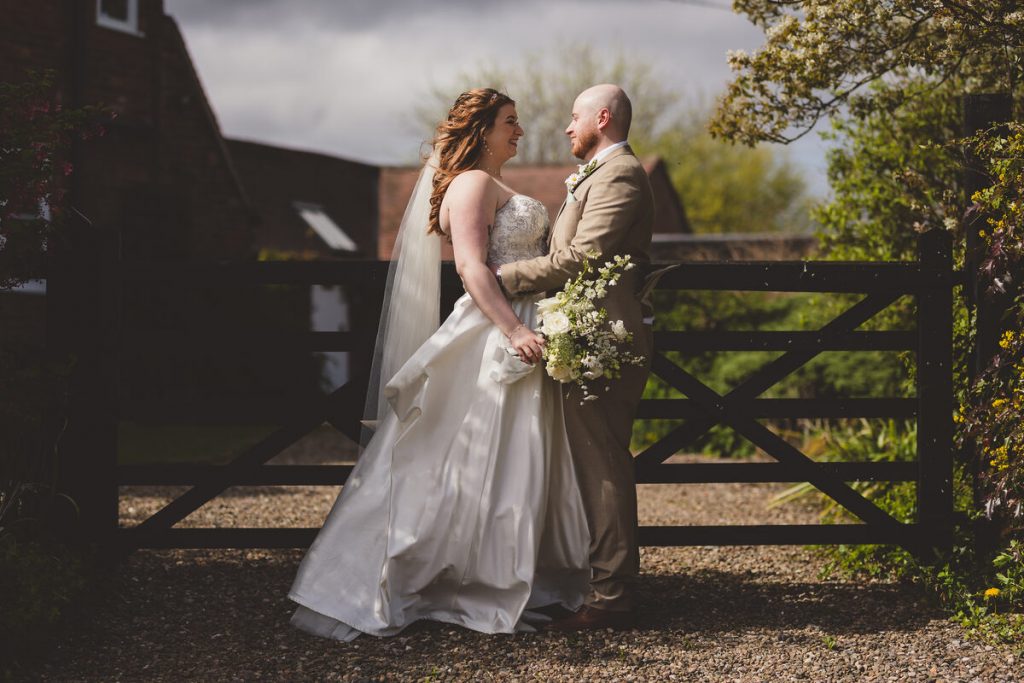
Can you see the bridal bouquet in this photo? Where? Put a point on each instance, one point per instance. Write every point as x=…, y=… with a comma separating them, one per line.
x=581, y=344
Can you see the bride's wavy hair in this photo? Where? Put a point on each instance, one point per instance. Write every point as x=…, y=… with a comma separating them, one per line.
x=459, y=142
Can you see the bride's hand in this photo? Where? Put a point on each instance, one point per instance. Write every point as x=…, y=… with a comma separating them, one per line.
x=527, y=344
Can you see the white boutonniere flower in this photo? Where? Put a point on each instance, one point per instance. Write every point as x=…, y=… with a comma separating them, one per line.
x=574, y=179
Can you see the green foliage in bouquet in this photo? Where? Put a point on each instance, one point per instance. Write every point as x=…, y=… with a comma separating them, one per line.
x=582, y=346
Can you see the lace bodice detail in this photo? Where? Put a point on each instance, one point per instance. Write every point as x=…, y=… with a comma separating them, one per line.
x=520, y=230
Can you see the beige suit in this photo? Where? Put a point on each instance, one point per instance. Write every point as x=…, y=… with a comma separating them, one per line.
x=613, y=214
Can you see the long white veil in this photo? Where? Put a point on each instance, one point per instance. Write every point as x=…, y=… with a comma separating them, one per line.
x=411, y=305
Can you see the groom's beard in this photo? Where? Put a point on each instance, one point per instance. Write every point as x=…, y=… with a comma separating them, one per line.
x=585, y=143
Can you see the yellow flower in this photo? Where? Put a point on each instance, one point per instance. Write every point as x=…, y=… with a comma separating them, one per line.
x=998, y=402
x=1000, y=460
x=991, y=593
x=1006, y=340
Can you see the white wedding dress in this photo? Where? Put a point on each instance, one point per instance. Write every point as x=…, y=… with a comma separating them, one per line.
x=464, y=507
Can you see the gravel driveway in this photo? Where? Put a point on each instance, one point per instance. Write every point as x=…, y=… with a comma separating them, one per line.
x=738, y=613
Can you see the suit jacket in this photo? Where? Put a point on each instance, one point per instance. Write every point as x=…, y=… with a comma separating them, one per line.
x=613, y=215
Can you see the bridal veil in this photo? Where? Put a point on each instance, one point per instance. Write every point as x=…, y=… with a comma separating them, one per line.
x=411, y=304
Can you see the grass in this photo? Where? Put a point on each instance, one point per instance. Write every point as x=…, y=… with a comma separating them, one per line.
x=141, y=443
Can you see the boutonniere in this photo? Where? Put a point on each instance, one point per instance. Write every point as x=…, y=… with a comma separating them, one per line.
x=580, y=175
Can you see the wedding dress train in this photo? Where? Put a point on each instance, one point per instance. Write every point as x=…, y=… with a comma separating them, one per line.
x=464, y=506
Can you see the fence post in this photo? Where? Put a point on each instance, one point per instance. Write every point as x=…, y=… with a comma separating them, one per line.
x=980, y=112
x=935, y=392
x=83, y=314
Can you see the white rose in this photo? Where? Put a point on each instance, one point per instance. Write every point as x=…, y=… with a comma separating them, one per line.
x=559, y=373
x=555, y=323
x=619, y=330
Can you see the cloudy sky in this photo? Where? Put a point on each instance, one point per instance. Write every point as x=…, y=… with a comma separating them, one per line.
x=342, y=76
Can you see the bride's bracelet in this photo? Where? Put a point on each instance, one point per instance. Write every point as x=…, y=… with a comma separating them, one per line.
x=513, y=330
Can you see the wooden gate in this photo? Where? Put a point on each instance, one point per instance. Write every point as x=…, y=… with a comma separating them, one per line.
x=930, y=280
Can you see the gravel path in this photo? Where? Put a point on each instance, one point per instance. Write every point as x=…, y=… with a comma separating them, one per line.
x=707, y=613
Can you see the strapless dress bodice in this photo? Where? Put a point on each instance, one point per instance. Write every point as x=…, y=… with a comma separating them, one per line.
x=520, y=230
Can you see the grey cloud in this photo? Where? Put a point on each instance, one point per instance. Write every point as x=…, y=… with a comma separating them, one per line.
x=343, y=77
x=335, y=15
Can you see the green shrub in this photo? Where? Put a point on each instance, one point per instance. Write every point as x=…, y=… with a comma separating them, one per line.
x=961, y=582
x=37, y=583
x=830, y=374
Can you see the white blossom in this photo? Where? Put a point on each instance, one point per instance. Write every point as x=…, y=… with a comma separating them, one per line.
x=559, y=373
x=582, y=344
x=546, y=306
x=555, y=322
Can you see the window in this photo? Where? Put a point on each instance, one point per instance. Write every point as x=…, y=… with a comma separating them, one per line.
x=120, y=15
x=327, y=229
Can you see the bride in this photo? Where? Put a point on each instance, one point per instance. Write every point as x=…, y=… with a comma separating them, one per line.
x=464, y=506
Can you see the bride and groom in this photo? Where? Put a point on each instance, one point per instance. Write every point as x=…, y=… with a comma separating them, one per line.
x=488, y=490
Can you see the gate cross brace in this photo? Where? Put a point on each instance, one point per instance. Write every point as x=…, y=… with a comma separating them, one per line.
x=346, y=400
x=774, y=445
x=768, y=375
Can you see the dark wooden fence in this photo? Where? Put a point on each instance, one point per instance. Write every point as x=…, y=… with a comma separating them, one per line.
x=930, y=280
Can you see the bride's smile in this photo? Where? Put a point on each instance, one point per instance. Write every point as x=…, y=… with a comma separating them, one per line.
x=503, y=139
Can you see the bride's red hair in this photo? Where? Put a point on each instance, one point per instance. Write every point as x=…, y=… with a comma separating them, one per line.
x=459, y=142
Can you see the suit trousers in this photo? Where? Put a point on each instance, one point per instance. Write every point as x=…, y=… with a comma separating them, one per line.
x=599, y=433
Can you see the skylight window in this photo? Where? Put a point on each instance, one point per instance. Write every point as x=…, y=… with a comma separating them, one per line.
x=120, y=15
x=326, y=228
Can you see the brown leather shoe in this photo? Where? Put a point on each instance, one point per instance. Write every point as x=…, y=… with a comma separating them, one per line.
x=553, y=612
x=589, y=618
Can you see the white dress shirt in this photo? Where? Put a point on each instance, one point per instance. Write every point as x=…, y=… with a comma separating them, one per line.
x=608, y=150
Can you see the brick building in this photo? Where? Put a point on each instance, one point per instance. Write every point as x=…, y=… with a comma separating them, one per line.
x=162, y=175
x=163, y=184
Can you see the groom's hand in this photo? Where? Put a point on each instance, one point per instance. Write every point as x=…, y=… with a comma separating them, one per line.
x=496, y=272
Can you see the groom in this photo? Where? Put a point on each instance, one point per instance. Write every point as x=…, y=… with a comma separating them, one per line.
x=609, y=209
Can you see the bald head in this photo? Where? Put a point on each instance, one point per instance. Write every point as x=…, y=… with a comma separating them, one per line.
x=614, y=99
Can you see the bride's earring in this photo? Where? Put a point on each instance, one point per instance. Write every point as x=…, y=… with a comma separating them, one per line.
x=487, y=148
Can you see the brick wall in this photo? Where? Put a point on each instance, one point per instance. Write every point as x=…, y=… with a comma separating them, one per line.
x=161, y=175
